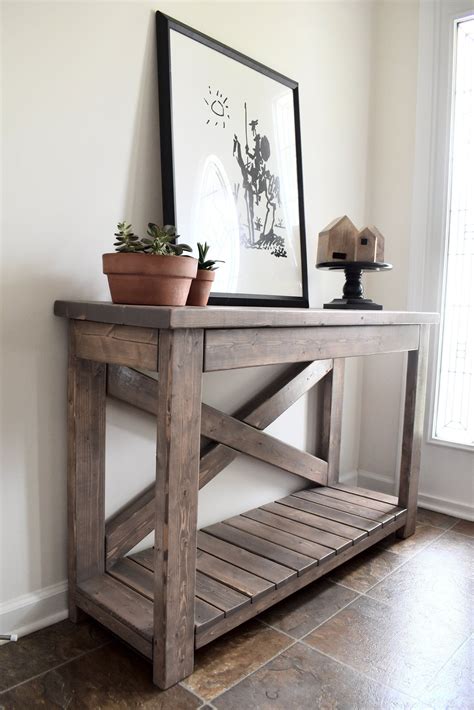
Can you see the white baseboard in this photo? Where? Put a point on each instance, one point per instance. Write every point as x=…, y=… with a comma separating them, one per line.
x=447, y=506
x=386, y=484
x=34, y=611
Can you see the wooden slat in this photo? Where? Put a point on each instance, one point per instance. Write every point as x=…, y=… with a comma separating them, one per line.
x=415, y=395
x=279, y=537
x=176, y=497
x=347, y=507
x=262, y=567
x=205, y=614
x=232, y=576
x=145, y=557
x=225, y=599
x=244, y=438
x=131, y=637
x=324, y=511
x=124, y=345
x=216, y=630
x=136, y=520
x=86, y=470
x=133, y=575
x=228, y=349
x=219, y=595
x=263, y=515
x=332, y=419
x=367, y=493
x=121, y=602
x=230, y=316
x=141, y=579
x=360, y=500
x=120, y=611
x=298, y=509
x=281, y=555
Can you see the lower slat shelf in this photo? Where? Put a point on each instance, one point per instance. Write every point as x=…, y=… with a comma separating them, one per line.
x=249, y=562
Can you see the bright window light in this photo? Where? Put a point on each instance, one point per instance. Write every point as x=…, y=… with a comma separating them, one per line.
x=454, y=413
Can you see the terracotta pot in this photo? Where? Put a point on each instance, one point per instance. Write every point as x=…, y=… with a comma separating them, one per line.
x=201, y=288
x=149, y=279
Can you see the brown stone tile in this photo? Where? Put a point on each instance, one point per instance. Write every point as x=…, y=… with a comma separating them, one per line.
x=430, y=592
x=452, y=554
x=302, y=679
x=110, y=677
x=437, y=520
x=466, y=527
x=300, y=613
x=423, y=536
x=388, y=644
x=233, y=656
x=453, y=687
x=366, y=569
x=437, y=582
x=45, y=649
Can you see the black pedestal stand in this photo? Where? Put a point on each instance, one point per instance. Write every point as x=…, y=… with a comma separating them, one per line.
x=353, y=293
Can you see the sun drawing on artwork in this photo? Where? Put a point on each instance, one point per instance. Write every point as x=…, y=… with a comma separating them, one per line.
x=218, y=107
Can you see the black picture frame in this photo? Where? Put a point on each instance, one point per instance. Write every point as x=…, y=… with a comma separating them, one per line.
x=164, y=25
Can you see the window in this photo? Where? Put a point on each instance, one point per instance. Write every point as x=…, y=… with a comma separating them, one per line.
x=454, y=406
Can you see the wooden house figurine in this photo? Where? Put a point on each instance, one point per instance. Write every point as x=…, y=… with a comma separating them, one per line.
x=337, y=242
x=370, y=245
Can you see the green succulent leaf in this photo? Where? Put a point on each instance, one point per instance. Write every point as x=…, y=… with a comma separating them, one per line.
x=159, y=240
x=205, y=264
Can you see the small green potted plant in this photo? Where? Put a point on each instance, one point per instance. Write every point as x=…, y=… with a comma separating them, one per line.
x=202, y=283
x=150, y=271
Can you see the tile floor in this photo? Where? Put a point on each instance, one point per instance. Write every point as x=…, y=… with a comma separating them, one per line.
x=389, y=629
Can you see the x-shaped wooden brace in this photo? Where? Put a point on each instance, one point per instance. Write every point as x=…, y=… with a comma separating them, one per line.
x=241, y=433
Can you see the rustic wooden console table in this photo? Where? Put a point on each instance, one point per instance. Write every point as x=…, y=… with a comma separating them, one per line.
x=194, y=586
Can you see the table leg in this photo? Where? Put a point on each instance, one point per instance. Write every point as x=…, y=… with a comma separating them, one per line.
x=86, y=470
x=332, y=419
x=177, y=476
x=415, y=395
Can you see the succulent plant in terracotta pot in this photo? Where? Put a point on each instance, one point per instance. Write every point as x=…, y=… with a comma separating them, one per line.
x=150, y=271
x=202, y=283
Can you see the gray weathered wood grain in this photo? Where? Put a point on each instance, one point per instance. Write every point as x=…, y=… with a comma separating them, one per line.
x=261, y=566
x=86, y=470
x=249, y=347
x=136, y=520
x=230, y=317
x=176, y=494
x=125, y=345
x=415, y=395
x=333, y=393
x=303, y=511
x=221, y=427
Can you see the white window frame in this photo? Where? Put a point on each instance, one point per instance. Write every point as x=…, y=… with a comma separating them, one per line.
x=429, y=233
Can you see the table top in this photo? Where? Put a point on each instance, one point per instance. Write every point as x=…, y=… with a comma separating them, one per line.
x=231, y=316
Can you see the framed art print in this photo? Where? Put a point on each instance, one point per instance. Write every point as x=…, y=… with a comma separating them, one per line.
x=231, y=166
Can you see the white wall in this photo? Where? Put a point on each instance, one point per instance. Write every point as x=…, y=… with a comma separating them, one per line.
x=405, y=155
x=81, y=152
x=447, y=473
x=390, y=169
